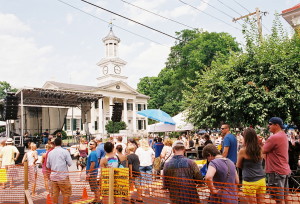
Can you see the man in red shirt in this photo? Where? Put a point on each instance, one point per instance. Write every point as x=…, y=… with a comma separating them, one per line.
x=277, y=160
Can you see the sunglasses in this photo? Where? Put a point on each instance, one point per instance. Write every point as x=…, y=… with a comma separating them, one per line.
x=223, y=128
x=92, y=144
x=271, y=124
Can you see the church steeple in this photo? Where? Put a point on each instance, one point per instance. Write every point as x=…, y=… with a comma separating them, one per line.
x=111, y=65
x=111, y=44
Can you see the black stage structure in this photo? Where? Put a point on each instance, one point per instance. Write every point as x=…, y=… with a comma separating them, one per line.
x=44, y=98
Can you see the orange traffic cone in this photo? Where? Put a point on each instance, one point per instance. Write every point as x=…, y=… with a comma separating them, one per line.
x=84, y=193
x=49, y=200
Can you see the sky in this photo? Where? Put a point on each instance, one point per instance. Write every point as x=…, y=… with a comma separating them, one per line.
x=61, y=40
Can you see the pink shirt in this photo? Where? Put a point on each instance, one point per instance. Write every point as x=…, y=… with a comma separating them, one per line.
x=277, y=158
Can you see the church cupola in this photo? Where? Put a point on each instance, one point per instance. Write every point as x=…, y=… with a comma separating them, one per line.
x=111, y=44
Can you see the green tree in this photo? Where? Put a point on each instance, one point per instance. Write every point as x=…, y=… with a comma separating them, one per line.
x=192, y=54
x=251, y=86
x=115, y=127
x=5, y=87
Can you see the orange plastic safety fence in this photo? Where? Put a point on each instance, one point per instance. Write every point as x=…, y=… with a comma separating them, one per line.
x=12, y=184
x=146, y=188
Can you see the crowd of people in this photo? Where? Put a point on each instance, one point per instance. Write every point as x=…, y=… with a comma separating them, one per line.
x=244, y=158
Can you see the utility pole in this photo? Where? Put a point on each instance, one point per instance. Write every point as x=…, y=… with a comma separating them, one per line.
x=259, y=24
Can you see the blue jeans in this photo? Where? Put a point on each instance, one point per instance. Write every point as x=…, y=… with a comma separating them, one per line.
x=146, y=174
x=45, y=140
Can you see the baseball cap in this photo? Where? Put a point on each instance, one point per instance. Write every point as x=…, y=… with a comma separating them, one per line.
x=277, y=120
x=178, y=143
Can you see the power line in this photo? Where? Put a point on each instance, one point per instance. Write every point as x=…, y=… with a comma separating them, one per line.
x=208, y=14
x=113, y=24
x=220, y=10
x=229, y=7
x=132, y=20
x=242, y=6
x=158, y=15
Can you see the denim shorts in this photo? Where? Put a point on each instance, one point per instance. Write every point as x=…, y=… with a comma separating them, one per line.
x=278, y=185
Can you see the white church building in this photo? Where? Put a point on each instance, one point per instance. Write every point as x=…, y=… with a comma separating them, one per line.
x=112, y=85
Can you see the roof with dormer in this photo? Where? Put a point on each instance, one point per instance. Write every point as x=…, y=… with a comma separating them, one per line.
x=111, y=36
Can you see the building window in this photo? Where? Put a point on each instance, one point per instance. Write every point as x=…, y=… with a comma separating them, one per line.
x=129, y=106
x=141, y=124
x=74, y=124
x=96, y=104
x=96, y=125
x=68, y=124
x=141, y=107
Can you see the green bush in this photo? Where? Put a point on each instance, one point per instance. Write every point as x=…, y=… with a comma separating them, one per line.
x=115, y=127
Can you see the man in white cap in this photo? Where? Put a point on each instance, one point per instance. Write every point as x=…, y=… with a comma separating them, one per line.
x=9, y=155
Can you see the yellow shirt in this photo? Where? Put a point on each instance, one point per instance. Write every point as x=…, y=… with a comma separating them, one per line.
x=8, y=154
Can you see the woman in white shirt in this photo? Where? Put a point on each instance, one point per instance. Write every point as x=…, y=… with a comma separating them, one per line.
x=167, y=152
x=146, y=157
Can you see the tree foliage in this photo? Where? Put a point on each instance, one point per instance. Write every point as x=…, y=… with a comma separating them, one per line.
x=192, y=54
x=5, y=87
x=115, y=127
x=251, y=86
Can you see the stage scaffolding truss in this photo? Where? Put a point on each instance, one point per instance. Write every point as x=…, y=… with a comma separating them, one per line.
x=52, y=97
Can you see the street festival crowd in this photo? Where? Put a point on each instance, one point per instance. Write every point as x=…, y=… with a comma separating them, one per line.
x=245, y=158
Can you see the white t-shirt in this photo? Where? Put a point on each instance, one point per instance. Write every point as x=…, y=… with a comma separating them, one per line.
x=168, y=152
x=8, y=154
x=145, y=156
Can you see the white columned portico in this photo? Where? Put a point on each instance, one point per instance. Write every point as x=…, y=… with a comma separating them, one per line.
x=110, y=107
x=134, y=116
x=101, y=119
x=125, y=118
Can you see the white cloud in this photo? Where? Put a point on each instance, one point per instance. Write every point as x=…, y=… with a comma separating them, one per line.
x=10, y=24
x=126, y=50
x=178, y=10
x=69, y=18
x=147, y=63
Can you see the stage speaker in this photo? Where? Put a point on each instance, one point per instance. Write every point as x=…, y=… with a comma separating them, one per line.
x=117, y=112
x=10, y=111
x=22, y=153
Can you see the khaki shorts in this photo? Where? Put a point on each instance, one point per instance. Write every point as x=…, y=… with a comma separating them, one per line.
x=64, y=186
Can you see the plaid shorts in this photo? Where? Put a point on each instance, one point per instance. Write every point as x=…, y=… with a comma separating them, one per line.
x=278, y=185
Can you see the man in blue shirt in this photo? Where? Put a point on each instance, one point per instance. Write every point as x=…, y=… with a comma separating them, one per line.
x=229, y=144
x=92, y=167
x=158, y=147
x=100, y=149
x=58, y=161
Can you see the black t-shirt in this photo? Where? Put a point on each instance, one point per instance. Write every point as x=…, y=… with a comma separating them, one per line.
x=134, y=160
x=46, y=134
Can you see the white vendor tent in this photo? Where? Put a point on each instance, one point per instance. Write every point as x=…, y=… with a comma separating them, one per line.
x=181, y=125
x=160, y=127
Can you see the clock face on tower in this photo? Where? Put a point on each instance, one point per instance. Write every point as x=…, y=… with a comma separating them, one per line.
x=105, y=70
x=117, y=69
